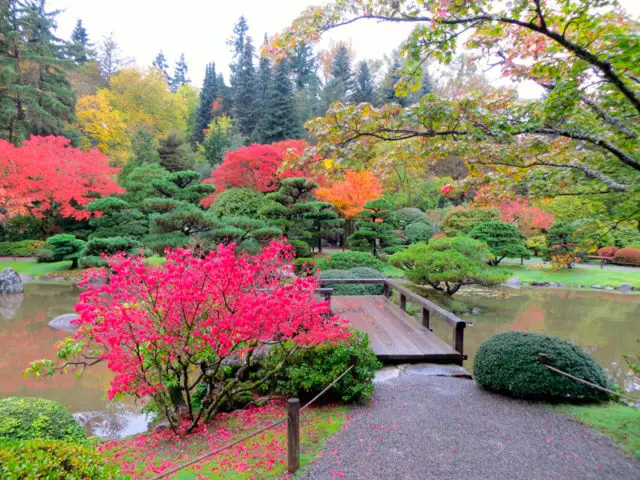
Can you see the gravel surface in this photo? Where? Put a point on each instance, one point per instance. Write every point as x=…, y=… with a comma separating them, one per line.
x=448, y=428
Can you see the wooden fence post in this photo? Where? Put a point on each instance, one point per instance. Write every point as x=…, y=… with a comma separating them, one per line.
x=426, y=318
x=293, y=435
x=403, y=302
x=459, y=340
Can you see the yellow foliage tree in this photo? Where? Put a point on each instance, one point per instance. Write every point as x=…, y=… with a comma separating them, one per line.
x=103, y=127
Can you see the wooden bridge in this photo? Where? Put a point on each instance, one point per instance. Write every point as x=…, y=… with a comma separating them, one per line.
x=394, y=335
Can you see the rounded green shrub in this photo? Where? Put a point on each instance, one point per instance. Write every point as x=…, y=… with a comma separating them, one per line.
x=393, y=249
x=238, y=202
x=53, y=460
x=407, y=216
x=507, y=363
x=301, y=248
x=418, y=232
x=347, y=260
x=353, y=289
x=23, y=248
x=308, y=372
x=45, y=255
x=27, y=418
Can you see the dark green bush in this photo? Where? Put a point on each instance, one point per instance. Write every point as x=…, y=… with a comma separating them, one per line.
x=92, y=261
x=238, y=202
x=354, y=289
x=308, y=372
x=418, y=232
x=507, y=363
x=111, y=246
x=23, y=248
x=347, y=260
x=65, y=247
x=45, y=255
x=158, y=242
x=407, y=216
x=301, y=248
x=393, y=249
x=27, y=418
x=53, y=460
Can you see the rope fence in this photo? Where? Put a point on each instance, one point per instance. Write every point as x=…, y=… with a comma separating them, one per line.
x=293, y=430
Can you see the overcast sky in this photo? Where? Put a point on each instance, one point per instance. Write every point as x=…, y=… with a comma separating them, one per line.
x=200, y=28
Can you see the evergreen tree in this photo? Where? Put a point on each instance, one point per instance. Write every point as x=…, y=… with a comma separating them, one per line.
x=289, y=205
x=238, y=39
x=160, y=62
x=388, y=87
x=341, y=71
x=279, y=120
x=175, y=154
x=308, y=101
x=374, y=227
x=110, y=57
x=225, y=93
x=324, y=222
x=427, y=84
x=302, y=64
x=79, y=50
x=245, y=91
x=363, y=90
x=35, y=94
x=208, y=95
x=180, y=74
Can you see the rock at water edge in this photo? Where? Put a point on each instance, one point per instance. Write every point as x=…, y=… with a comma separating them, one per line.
x=10, y=281
x=514, y=282
x=625, y=287
x=63, y=322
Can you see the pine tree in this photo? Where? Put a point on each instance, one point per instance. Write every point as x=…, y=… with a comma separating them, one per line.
x=323, y=222
x=264, y=83
x=279, y=120
x=341, y=71
x=80, y=48
x=363, y=91
x=160, y=62
x=175, y=154
x=208, y=95
x=238, y=39
x=180, y=74
x=388, y=87
x=303, y=65
x=226, y=96
x=110, y=57
x=35, y=94
x=245, y=91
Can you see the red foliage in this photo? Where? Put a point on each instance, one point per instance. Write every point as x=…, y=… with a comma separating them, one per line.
x=607, y=251
x=629, y=256
x=349, y=195
x=446, y=190
x=258, y=166
x=196, y=312
x=439, y=235
x=47, y=173
x=528, y=219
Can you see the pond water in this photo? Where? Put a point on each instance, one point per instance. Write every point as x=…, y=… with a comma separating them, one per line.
x=26, y=336
x=605, y=324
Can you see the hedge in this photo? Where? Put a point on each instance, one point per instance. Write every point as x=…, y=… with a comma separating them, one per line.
x=28, y=418
x=23, y=248
x=627, y=256
x=353, y=289
x=507, y=363
x=347, y=260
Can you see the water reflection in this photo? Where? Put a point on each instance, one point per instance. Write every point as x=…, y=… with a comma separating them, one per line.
x=26, y=336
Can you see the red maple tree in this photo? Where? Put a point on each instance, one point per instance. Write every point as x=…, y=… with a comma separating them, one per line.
x=349, y=195
x=530, y=220
x=46, y=177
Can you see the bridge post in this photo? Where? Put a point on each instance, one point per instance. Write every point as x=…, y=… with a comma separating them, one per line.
x=403, y=302
x=459, y=339
x=426, y=318
x=293, y=435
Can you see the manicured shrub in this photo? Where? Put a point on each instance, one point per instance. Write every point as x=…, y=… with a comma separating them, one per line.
x=159, y=242
x=406, y=216
x=418, y=232
x=393, y=249
x=537, y=244
x=347, y=260
x=308, y=372
x=503, y=239
x=65, y=247
x=627, y=255
x=507, y=363
x=23, y=248
x=301, y=248
x=460, y=221
x=353, y=289
x=28, y=418
x=238, y=202
x=44, y=255
x=92, y=261
x=607, y=251
x=53, y=460
x=111, y=246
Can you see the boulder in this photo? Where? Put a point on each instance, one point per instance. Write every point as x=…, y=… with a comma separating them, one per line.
x=475, y=311
x=63, y=322
x=597, y=287
x=536, y=283
x=608, y=288
x=10, y=281
x=514, y=282
x=554, y=284
x=625, y=287
x=26, y=278
x=9, y=305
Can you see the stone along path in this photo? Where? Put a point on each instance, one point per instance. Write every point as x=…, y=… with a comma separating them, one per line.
x=421, y=426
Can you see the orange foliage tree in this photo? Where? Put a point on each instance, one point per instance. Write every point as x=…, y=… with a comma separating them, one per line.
x=349, y=195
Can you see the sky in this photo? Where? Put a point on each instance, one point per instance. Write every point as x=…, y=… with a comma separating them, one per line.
x=200, y=29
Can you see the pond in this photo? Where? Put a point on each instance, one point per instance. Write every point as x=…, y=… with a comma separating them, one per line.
x=26, y=336
x=605, y=324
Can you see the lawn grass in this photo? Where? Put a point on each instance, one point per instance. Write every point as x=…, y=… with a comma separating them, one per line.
x=391, y=271
x=263, y=456
x=575, y=276
x=620, y=422
x=34, y=268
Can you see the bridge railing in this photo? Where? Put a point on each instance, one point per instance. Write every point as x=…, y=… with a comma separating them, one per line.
x=428, y=307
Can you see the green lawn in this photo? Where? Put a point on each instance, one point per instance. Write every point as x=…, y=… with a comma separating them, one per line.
x=620, y=422
x=575, y=276
x=36, y=269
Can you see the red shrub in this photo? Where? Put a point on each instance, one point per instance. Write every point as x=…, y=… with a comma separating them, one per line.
x=439, y=235
x=607, y=251
x=627, y=255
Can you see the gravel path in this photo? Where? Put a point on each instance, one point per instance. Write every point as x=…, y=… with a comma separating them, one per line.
x=448, y=428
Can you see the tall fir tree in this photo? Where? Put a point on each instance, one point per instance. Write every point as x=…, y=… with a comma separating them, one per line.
x=180, y=74
x=264, y=81
x=363, y=89
x=110, y=57
x=302, y=65
x=237, y=42
x=279, y=121
x=80, y=48
x=160, y=62
x=208, y=95
x=245, y=91
x=342, y=72
x=226, y=95
x=36, y=97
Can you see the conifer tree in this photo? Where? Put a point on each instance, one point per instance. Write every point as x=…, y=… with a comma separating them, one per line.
x=323, y=222
x=245, y=91
x=279, y=121
x=208, y=95
x=388, y=87
x=110, y=57
x=237, y=41
x=80, y=48
x=160, y=62
x=180, y=74
x=342, y=73
x=302, y=65
x=363, y=90
x=35, y=94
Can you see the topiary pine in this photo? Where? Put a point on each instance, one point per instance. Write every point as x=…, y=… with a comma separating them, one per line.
x=503, y=239
x=374, y=226
x=507, y=363
x=65, y=247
